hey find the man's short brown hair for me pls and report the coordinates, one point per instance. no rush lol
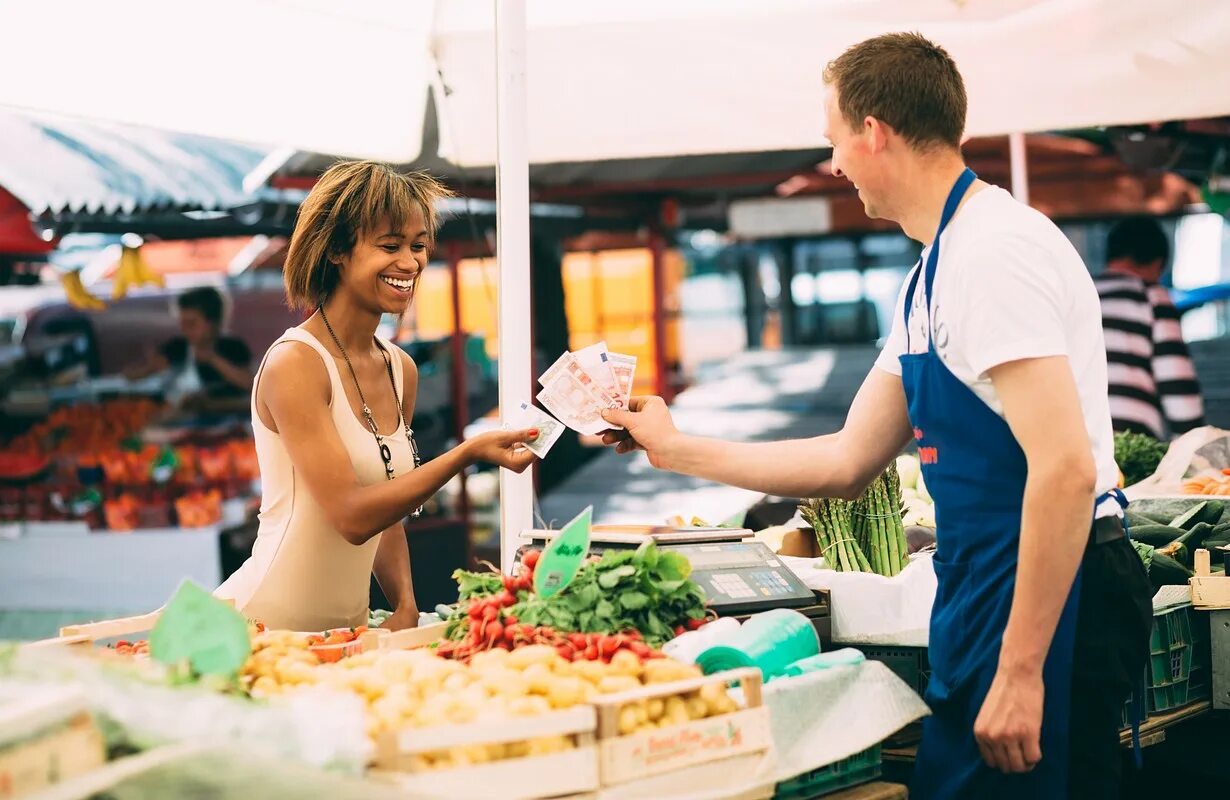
(349, 200)
(905, 81)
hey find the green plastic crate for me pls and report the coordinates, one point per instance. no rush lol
(1171, 652)
(909, 663)
(858, 769)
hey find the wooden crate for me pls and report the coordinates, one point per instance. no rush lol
(1209, 591)
(407, 639)
(90, 633)
(639, 755)
(57, 755)
(571, 772)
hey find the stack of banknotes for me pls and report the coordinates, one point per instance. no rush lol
(577, 388)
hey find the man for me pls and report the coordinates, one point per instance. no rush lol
(1153, 387)
(996, 365)
(210, 371)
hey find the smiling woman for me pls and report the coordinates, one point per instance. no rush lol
(339, 466)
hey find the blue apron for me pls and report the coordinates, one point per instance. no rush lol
(975, 471)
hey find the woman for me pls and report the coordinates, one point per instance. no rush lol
(331, 411)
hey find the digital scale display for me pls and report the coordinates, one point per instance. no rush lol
(744, 577)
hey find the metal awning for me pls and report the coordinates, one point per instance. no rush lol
(63, 166)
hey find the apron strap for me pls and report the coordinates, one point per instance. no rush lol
(955, 194)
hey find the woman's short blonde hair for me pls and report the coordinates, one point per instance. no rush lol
(351, 199)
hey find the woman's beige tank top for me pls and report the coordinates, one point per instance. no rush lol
(303, 575)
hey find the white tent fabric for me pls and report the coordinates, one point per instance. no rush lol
(605, 80)
(316, 75)
(645, 78)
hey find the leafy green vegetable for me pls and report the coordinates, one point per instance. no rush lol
(1137, 455)
(477, 584)
(647, 589)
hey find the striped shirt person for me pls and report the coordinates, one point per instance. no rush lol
(1152, 382)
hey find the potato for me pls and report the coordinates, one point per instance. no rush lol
(539, 678)
(524, 657)
(625, 662)
(676, 712)
(566, 692)
(697, 708)
(656, 708)
(628, 720)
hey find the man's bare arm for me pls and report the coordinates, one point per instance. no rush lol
(841, 464)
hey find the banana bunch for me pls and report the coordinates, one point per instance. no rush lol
(77, 295)
(133, 271)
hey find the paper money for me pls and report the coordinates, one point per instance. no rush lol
(580, 386)
(578, 412)
(596, 361)
(580, 382)
(624, 369)
(549, 428)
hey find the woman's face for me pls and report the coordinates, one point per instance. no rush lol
(381, 271)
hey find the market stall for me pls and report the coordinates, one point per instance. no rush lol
(642, 692)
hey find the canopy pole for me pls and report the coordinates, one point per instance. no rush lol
(1020, 167)
(513, 258)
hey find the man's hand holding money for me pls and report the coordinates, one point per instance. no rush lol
(647, 425)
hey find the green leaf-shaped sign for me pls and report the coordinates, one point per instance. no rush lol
(197, 628)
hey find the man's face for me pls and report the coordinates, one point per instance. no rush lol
(853, 155)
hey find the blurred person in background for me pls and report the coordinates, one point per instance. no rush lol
(207, 370)
(1152, 382)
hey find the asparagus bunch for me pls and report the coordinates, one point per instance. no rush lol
(863, 536)
(830, 519)
(878, 516)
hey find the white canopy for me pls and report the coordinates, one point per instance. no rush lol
(605, 80)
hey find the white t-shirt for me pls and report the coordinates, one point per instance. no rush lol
(1009, 285)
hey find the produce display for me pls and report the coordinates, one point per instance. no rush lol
(1137, 455)
(1213, 484)
(865, 535)
(86, 428)
(420, 689)
(1167, 543)
(639, 599)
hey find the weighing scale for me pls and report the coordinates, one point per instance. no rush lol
(740, 576)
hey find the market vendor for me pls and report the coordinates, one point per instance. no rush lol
(332, 407)
(996, 367)
(207, 370)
